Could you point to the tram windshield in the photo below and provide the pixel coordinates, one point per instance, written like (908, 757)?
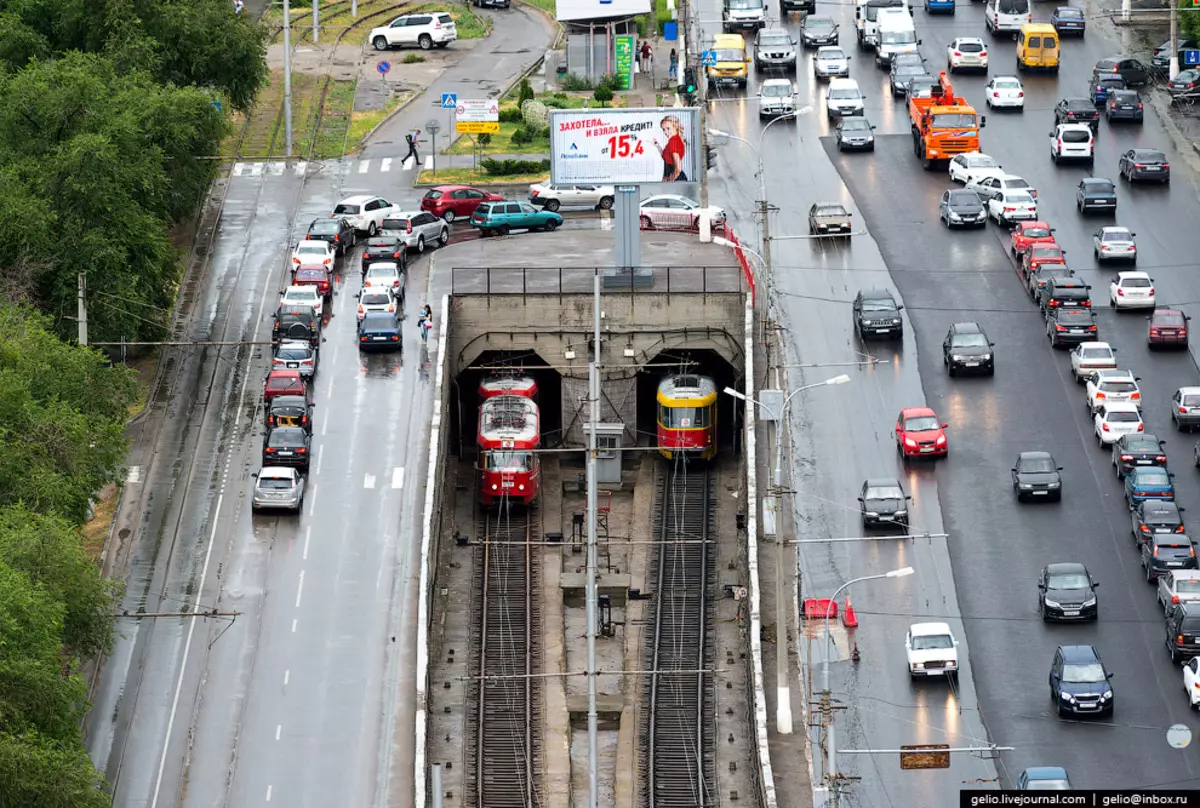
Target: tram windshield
(508, 461)
(683, 417)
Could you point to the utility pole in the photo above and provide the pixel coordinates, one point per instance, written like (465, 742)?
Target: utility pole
(1173, 70)
(592, 493)
(354, 9)
(81, 309)
(287, 78)
(316, 21)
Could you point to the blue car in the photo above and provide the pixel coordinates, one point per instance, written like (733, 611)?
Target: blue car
(1044, 778)
(1103, 85)
(1148, 482)
(380, 331)
(946, 6)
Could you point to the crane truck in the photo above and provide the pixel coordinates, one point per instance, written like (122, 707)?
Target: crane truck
(943, 125)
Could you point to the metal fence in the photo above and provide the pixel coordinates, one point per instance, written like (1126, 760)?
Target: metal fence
(578, 280)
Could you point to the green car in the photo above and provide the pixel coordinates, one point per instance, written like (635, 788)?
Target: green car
(501, 217)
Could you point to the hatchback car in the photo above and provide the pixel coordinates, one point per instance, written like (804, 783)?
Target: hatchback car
(287, 446)
(1134, 71)
(278, 488)
(831, 62)
(883, 503)
(877, 314)
(1077, 110)
(816, 31)
(377, 299)
(966, 53)
(1185, 408)
(1035, 476)
(676, 212)
(1131, 290)
(964, 167)
(1079, 682)
(1183, 631)
(1004, 92)
(1114, 244)
(1156, 516)
(855, 134)
(900, 77)
(1025, 234)
(452, 202)
(379, 331)
(499, 218)
(920, 434)
(1041, 280)
(285, 382)
(304, 295)
(334, 229)
(1038, 256)
(1066, 591)
(1181, 586)
(316, 278)
(1010, 207)
(313, 253)
(417, 229)
(1070, 326)
(1145, 164)
(1061, 292)
(366, 213)
(1111, 421)
(552, 197)
(1123, 105)
(1101, 86)
(1168, 328)
(1096, 194)
(1163, 552)
(967, 349)
(301, 356)
(1072, 141)
(774, 49)
(962, 208)
(1069, 20)
(383, 248)
(1149, 482)
(1140, 450)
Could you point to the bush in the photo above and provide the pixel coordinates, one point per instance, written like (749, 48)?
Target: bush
(413, 58)
(574, 83)
(524, 92)
(603, 94)
(535, 114)
(484, 139)
(521, 135)
(512, 168)
(511, 115)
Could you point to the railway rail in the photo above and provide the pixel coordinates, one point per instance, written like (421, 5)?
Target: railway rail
(677, 763)
(504, 750)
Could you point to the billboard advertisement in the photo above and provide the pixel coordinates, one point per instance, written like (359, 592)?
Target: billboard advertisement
(567, 10)
(624, 146)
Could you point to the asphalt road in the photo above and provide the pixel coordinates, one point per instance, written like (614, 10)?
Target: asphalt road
(843, 435)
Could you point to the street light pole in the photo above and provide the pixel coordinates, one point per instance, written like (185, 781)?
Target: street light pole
(783, 582)
(830, 733)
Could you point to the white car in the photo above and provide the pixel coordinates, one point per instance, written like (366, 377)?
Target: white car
(386, 275)
(966, 52)
(831, 62)
(986, 185)
(296, 355)
(1178, 586)
(366, 213)
(1191, 680)
(973, 164)
(552, 197)
(313, 253)
(1131, 290)
(1114, 244)
(376, 298)
(842, 97)
(304, 296)
(931, 650)
(776, 97)
(675, 212)
(1007, 207)
(1089, 357)
(1112, 421)
(1073, 141)
(1112, 386)
(422, 30)
(1004, 92)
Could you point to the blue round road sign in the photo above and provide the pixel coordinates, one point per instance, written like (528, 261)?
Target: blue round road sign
(384, 66)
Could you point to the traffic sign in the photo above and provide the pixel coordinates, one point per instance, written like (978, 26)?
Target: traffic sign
(708, 58)
(1191, 58)
(487, 109)
(449, 100)
(383, 67)
(477, 127)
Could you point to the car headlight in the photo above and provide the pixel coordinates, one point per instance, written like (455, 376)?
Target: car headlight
(1055, 485)
(1054, 604)
(918, 666)
(1068, 697)
(901, 513)
(870, 513)
(987, 357)
(896, 321)
(941, 439)
(1106, 695)
(952, 663)
(1089, 602)
(1026, 486)
(910, 442)
(958, 358)
(955, 216)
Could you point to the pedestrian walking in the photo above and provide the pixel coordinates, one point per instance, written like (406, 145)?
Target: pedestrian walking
(426, 325)
(239, 7)
(673, 67)
(646, 55)
(411, 139)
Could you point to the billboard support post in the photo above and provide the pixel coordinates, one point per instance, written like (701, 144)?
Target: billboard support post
(610, 146)
(628, 227)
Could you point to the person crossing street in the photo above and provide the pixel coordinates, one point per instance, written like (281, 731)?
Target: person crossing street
(411, 138)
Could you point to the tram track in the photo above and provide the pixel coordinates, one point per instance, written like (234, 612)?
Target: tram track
(678, 733)
(504, 749)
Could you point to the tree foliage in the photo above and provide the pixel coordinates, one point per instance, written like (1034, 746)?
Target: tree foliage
(37, 771)
(1189, 20)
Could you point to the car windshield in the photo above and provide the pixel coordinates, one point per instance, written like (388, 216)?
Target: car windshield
(910, 70)
(346, 209)
(1074, 314)
(954, 120)
(1187, 586)
(776, 90)
(1037, 465)
(964, 199)
(509, 461)
(855, 124)
(980, 161)
(1019, 198)
(1047, 252)
(831, 53)
(1047, 785)
(375, 299)
(775, 41)
(310, 275)
(286, 437)
(932, 642)
(921, 423)
(275, 483)
(730, 55)
(1083, 674)
(884, 492)
(1116, 235)
(1169, 319)
(1124, 417)
(829, 210)
(819, 23)
(1098, 187)
(878, 304)
(744, 5)
(307, 248)
(898, 37)
(1036, 232)
(1067, 580)
(1118, 387)
(969, 341)
(970, 47)
(324, 226)
(844, 93)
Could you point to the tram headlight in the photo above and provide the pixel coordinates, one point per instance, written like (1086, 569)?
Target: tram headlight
(520, 486)
(494, 486)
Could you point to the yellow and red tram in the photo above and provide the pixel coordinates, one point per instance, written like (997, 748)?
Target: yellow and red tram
(687, 416)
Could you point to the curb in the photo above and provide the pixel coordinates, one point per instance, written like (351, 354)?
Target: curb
(482, 185)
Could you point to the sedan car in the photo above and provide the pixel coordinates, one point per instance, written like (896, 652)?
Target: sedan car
(884, 503)
(1183, 632)
(854, 134)
(365, 212)
(901, 75)
(1025, 234)
(987, 184)
(1037, 476)
(305, 295)
(1004, 92)
(1069, 20)
(1185, 408)
(1133, 70)
(383, 275)
(552, 197)
(818, 31)
(920, 434)
(1182, 586)
(452, 202)
(877, 314)
(931, 650)
(1149, 482)
(1077, 110)
(499, 218)
(1111, 386)
(1131, 290)
(278, 487)
(829, 218)
(287, 446)
(296, 355)
(285, 382)
(336, 230)
(1101, 86)
(377, 299)
(1145, 164)
(1185, 83)
(1160, 59)
(315, 277)
(387, 248)
(830, 62)
(1164, 552)
(1066, 591)
(1155, 516)
(1114, 244)
(1123, 105)
(966, 53)
(1111, 421)
(675, 212)
(1079, 682)
(1191, 679)
(964, 167)
(313, 253)
(1091, 357)
(1168, 327)
(379, 331)
(962, 208)
(1096, 193)
(1009, 207)
(967, 349)
(1139, 450)
(1070, 325)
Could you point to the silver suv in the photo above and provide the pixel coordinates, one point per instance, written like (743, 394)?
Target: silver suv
(278, 487)
(774, 49)
(417, 229)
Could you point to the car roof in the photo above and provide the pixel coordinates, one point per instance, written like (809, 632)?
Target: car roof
(1158, 506)
(1186, 575)
(289, 401)
(1148, 152)
(1124, 91)
(929, 629)
(843, 84)
(1115, 228)
(1074, 127)
(917, 412)
(1079, 653)
(966, 328)
(1078, 101)
(1122, 406)
(379, 267)
(1065, 568)
(380, 315)
(873, 293)
(358, 199)
(296, 344)
(829, 50)
(1096, 181)
(785, 82)
(278, 472)
(325, 245)
(306, 289)
(1035, 456)
(968, 39)
(285, 373)
(882, 482)
(1133, 274)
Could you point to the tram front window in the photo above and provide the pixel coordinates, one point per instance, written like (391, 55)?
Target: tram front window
(683, 417)
(509, 461)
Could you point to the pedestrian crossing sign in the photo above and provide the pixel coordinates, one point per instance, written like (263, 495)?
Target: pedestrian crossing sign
(449, 100)
(709, 57)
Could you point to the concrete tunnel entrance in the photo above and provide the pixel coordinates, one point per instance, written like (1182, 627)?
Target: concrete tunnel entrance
(703, 361)
(464, 404)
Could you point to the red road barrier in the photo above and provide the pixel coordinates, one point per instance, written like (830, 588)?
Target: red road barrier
(849, 618)
(820, 608)
(741, 258)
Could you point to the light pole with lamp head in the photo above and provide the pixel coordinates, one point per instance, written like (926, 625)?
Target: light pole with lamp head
(783, 706)
(831, 735)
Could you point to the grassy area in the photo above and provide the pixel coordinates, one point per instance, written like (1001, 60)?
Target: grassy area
(468, 24)
(549, 6)
(95, 531)
(301, 14)
(331, 135)
(562, 100)
(264, 135)
(361, 123)
(501, 143)
(471, 176)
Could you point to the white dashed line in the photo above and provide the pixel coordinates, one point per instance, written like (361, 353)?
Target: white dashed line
(268, 793)
(324, 426)
(364, 166)
(408, 163)
(429, 162)
(287, 675)
(307, 536)
(276, 169)
(293, 625)
(368, 481)
(301, 167)
(320, 457)
(398, 477)
(278, 731)
(300, 589)
(386, 165)
(134, 475)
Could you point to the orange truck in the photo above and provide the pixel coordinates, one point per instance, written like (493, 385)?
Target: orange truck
(943, 125)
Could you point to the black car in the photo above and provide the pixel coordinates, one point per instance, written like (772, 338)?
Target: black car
(877, 314)
(967, 349)
(1096, 193)
(1101, 86)
(903, 74)
(1066, 327)
(1164, 552)
(299, 323)
(1183, 631)
(854, 133)
(1079, 682)
(1145, 164)
(379, 330)
(491, 3)
(334, 229)
(290, 411)
(1037, 476)
(1041, 277)
(884, 503)
(1068, 20)
(1066, 591)
(818, 31)
(807, 6)
(287, 446)
(1155, 516)
(919, 86)
(1123, 105)
(384, 248)
(1137, 451)
(1134, 71)
(1185, 83)
(1064, 293)
(962, 208)
(1077, 110)
(1161, 59)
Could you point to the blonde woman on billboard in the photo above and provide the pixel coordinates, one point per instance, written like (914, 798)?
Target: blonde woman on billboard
(675, 150)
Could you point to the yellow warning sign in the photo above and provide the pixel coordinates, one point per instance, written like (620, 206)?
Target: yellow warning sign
(477, 127)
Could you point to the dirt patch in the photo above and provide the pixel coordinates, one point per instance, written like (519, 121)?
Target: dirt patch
(95, 532)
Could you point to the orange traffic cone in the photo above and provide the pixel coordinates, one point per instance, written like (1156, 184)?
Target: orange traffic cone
(849, 618)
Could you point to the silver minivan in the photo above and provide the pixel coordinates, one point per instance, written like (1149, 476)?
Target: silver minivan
(278, 487)
(417, 229)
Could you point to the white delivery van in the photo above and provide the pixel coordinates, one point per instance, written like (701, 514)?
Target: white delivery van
(866, 18)
(897, 34)
(1006, 15)
(740, 15)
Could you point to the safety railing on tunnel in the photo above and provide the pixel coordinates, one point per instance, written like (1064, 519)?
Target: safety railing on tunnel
(578, 280)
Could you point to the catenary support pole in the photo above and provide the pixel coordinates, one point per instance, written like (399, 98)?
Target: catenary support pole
(354, 9)
(81, 309)
(593, 419)
(316, 21)
(435, 785)
(287, 79)
(1173, 70)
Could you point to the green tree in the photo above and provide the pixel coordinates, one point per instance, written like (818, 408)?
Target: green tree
(524, 93)
(1189, 19)
(36, 771)
(603, 93)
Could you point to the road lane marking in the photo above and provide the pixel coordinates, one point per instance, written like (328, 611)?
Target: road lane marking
(324, 426)
(387, 165)
(300, 589)
(268, 793)
(187, 647)
(293, 625)
(307, 536)
(368, 481)
(262, 305)
(364, 166)
(256, 169)
(134, 475)
(429, 162)
(320, 457)
(287, 675)
(276, 169)
(238, 168)
(398, 477)
(278, 731)
(301, 167)
(311, 498)
(408, 163)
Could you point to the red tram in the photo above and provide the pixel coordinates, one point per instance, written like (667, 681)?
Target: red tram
(508, 386)
(687, 416)
(509, 432)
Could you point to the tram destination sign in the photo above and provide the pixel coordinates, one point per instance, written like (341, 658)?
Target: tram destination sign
(925, 756)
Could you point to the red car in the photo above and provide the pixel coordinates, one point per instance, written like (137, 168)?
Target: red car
(1168, 327)
(284, 383)
(1038, 255)
(1026, 234)
(314, 276)
(455, 201)
(919, 433)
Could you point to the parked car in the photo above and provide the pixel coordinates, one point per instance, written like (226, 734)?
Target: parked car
(1160, 60)
(1185, 83)
(552, 197)
(499, 218)
(425, 31)
(1133, 70)
(676, 212)
(452, 202)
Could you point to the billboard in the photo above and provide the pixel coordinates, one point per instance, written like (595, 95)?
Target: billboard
(567, 10)
(624, 146)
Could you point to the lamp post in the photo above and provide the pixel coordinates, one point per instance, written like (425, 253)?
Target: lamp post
(783, 705)
(831, 736)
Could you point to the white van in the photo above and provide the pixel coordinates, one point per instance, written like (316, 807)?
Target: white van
(743, 14)
(866, 18)
(897, 34)
(1006, 15)
(842, 98)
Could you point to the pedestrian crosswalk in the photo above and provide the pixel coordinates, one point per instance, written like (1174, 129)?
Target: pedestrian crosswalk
(303, 168)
